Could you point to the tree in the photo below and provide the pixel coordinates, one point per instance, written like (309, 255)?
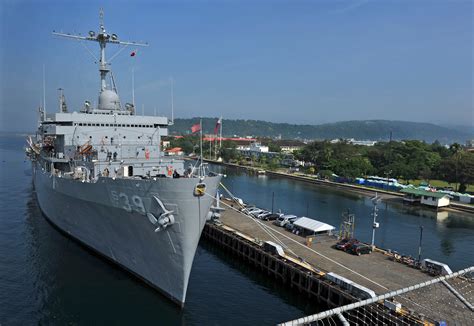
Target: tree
(186, 143)
(272, 147)
(274, 163)
(458, 168)
(229, 151)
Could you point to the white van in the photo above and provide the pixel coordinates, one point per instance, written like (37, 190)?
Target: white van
(285, 219)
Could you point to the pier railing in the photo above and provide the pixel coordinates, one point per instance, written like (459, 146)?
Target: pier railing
(422, 297)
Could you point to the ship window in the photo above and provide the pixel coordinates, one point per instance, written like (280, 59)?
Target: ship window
(106, 136)
(107, 125)
(101, 124)
(124, 137)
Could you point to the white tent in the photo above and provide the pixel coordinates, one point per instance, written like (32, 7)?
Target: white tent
(313, 225)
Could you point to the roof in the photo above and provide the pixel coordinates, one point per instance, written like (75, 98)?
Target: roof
(174, 149)
(312, 225)
(421, 192)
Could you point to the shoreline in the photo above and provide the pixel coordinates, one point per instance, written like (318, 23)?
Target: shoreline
(388, 195)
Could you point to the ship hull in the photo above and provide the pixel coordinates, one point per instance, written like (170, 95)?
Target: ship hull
(110, 217)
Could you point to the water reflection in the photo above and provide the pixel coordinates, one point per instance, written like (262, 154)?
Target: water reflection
(447, 246)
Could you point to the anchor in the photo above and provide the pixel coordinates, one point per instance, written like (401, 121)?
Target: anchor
(164, 220)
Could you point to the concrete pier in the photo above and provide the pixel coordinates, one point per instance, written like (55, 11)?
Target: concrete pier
(241, 235)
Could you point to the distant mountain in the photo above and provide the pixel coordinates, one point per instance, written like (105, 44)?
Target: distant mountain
(360, 130)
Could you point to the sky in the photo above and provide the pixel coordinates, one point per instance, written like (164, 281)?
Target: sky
(302, 62)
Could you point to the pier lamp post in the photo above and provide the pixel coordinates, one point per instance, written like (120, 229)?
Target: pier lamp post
(375, 224)
(273, 200)
(419, 246)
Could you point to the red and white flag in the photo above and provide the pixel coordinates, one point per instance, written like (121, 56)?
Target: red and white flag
(196, 128)
(133, 53)
(218, 124)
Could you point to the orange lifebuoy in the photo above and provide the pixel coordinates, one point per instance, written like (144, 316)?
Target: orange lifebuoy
(170, 171)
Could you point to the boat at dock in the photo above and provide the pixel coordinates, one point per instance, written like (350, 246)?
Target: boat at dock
(101, 177)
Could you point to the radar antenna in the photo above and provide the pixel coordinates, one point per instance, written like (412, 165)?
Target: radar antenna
(102, 37)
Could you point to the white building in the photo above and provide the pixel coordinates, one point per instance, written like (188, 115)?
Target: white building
(258, 147)
(429, 198)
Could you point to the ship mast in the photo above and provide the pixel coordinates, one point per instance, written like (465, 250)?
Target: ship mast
(102, 37)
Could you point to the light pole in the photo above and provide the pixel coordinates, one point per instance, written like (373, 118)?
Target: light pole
(375, 224)
(273, 200)
(419, 246)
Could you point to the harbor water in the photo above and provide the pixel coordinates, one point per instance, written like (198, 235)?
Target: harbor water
(46, 278)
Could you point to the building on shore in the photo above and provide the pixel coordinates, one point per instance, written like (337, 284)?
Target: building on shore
(289, 146)
(355, 142)
(424, 197)
(175, 151)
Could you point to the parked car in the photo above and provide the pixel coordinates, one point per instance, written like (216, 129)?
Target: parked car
(261, 214)
(289, 227)
(256, 212)
(360, 249)
(272, 216)
(346, 244)
(250, 210)
(282, 220)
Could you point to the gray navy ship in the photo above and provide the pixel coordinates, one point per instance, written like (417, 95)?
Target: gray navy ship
(100, 176)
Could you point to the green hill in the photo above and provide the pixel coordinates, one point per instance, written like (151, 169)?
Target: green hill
(360, 130)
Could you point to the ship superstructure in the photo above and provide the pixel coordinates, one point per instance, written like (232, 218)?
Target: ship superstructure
(100, 176)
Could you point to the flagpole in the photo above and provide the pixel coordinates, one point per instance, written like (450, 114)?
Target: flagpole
(133, 87)
(200, 131)
(220, 138)
(172, 101)
(44, 93)
(210, 148)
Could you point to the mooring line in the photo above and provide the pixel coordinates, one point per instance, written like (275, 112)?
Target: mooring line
(306, 247)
